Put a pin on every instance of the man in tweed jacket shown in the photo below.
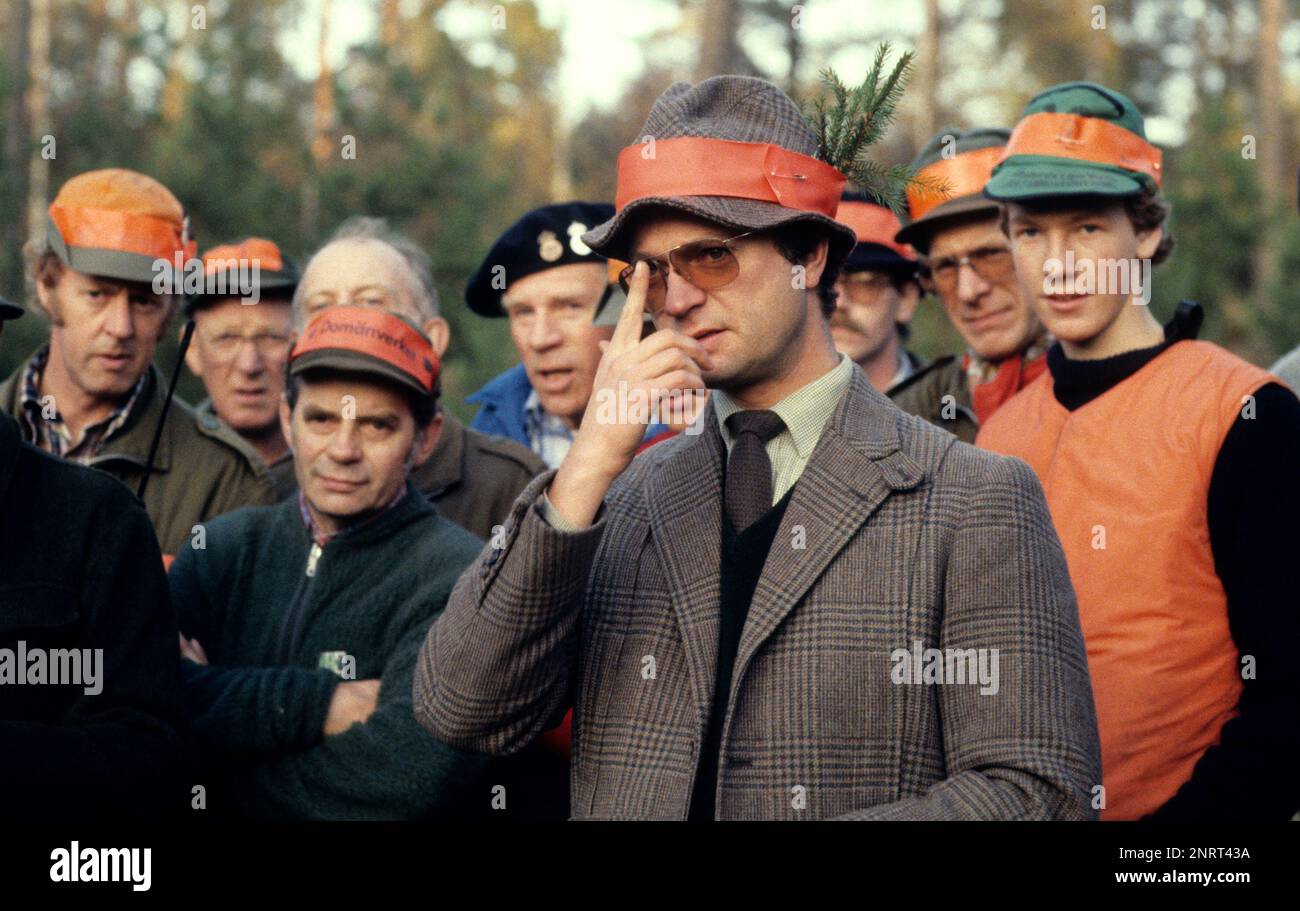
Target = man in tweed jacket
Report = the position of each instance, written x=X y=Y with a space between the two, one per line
x=781 y=648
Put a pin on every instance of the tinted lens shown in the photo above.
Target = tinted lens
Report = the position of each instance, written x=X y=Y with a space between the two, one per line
x=655 y=291
x=992 y=265
x=943 y=276
x=706 y=264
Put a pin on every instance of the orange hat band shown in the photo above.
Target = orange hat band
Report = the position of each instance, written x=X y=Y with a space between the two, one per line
x=376 y=334
x=263 y=252
x=123 y=232
x=1085 y=139
x=697 y=166
x=874 y=225
x=964 y=174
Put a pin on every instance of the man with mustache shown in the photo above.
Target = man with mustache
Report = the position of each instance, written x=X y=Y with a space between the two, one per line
x=93 y=395
x=1170 y=468
x=731 y=613
x=472 y=477
x=240 y=347
x=82 y=573
x=876 y=295
x=967 y=265
x=301 y=621
x=549 y=284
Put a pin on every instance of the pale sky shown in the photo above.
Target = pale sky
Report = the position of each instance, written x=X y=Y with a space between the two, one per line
x=605 y=43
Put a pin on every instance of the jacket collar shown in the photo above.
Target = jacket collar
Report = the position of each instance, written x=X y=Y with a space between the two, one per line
x=446 y=467
x=407 y=508
x=508 y=387
x=130 y=442
x=857 y=463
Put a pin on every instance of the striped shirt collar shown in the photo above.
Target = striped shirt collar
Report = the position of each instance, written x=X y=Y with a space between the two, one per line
x=51 y=433
x=804 y=411
x=321 y=537
x=548 y=436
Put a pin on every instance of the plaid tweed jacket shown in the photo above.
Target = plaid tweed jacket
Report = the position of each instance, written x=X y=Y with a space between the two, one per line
x=895 y=534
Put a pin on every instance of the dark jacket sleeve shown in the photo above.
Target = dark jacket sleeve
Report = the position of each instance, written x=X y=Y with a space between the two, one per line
x=1254 y=519
x=1030 y=750
x=116 y=752
x=264 y=709
x=495 y=671
x=387 y=767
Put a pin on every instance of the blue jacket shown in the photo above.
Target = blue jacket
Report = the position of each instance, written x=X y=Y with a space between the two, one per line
x=501 y=410
x=502 y=405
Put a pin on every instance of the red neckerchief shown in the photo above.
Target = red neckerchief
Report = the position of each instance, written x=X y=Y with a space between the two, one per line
x=1014 y=373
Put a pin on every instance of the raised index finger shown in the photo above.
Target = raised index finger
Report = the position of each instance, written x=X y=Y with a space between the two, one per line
x=627 y=332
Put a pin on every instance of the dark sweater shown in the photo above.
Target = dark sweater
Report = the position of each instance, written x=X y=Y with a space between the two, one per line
x=743 y=556
x=82 y=570
x=260 y=706
x=1253 y=512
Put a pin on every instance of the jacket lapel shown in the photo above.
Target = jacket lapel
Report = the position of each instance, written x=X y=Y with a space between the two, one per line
x=856 y=464
x=684 y=500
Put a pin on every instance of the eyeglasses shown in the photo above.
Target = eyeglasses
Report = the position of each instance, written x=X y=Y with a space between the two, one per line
x=707 y=264
x=863 y=287
x=992 y=264
x=269 y=345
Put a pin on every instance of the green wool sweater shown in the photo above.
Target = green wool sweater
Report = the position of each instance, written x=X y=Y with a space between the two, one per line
x=270 y=608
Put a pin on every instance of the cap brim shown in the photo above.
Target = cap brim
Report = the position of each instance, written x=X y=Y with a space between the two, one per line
x=610 y=239
x=917 y=232
x=127 y=267
x=1039 y=177
x=275 y=285
x=10 y=310
x=355 y=362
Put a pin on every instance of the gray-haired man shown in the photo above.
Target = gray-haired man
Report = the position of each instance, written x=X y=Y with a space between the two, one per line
x=471 y=477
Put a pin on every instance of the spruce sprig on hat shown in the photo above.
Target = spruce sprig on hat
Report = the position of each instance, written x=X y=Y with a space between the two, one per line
x=853 y=119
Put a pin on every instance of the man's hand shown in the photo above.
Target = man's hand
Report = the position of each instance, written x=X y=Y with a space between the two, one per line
x=352 y=703
x=645 y=371
x=191 y=649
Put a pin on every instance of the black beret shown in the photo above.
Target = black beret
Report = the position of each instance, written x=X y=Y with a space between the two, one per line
x=543 y=239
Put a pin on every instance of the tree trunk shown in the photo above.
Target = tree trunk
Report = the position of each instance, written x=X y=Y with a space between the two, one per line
x=322 y=123
x=38 y=109
x=926 y=87
x=719 y=48
x=17 y=128
x=1269 y=143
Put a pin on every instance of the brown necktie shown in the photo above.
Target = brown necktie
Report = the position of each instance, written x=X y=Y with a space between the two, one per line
x=748 y=492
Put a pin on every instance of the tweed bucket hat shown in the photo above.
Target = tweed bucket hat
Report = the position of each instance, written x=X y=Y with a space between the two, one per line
x=734 y=150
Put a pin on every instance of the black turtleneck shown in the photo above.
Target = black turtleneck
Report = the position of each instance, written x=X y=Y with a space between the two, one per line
x=1253 y=511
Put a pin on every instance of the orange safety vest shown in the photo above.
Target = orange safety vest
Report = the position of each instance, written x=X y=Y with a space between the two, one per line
x=1127 y=478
